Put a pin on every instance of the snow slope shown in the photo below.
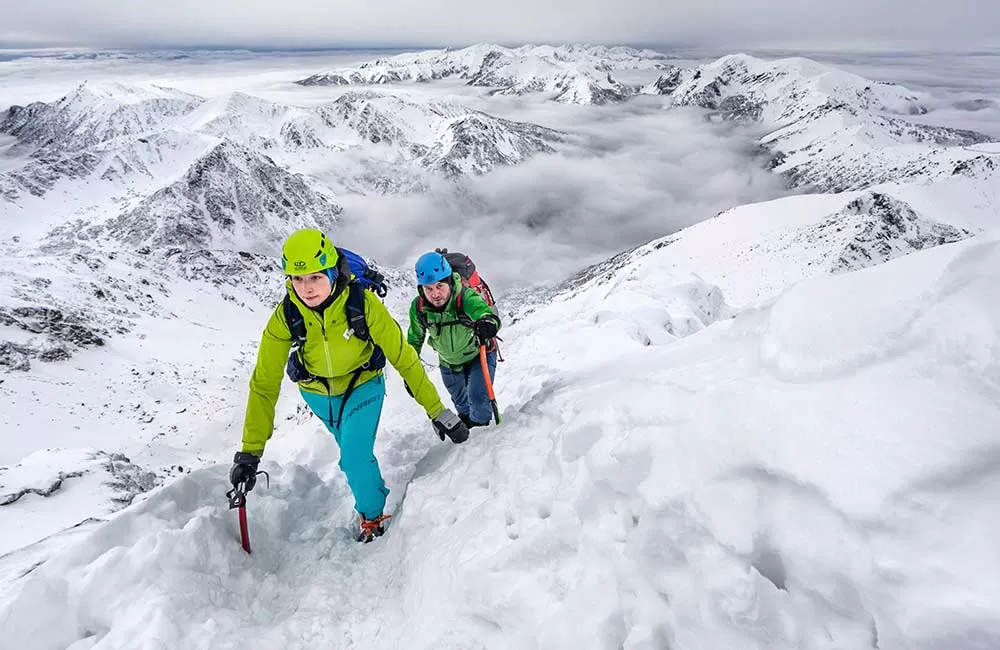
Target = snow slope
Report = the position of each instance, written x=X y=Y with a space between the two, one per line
x=643 y=492
x=752 y=252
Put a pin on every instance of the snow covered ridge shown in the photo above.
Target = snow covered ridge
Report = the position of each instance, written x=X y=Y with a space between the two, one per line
x=121 y=136
x=573 y=74
x=96 y=113
x=761 y=249
x=832 y=130
x=231 y=197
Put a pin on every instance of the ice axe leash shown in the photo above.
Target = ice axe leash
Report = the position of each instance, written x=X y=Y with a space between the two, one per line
x=238 y=499
x=489 y=382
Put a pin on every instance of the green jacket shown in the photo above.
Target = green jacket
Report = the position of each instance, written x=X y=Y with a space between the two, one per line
x=451 y=337
x=328 y=354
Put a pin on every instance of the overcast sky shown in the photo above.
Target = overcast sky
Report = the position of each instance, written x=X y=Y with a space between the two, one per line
x=331 y=23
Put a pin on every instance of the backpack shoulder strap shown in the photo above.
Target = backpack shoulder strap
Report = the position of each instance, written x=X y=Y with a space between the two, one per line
x=355 y=308
x=296 y=324
x=421 y=314
x=463 y=318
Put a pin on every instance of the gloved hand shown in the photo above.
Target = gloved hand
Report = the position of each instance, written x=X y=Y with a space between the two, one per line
x=485 y=329
x=448 y=424
x=244 y=470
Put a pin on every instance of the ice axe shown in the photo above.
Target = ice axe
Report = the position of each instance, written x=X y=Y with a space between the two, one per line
x=489 y=382
x=238 y=499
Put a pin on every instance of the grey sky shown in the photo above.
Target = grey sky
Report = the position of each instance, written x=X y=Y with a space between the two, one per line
x=325 y=23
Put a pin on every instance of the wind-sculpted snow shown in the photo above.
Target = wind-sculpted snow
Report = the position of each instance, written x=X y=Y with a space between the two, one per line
x=940 y=305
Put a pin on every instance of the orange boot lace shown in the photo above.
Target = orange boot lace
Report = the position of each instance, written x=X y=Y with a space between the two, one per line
x=370 y=526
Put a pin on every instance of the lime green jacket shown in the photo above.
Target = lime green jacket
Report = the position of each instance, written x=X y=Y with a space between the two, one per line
x=329 y=355
x=452 y=339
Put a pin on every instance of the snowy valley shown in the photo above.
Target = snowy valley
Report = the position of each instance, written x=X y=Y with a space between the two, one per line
x=775 y=428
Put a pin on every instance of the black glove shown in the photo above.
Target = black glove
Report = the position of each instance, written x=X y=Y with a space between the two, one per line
x=485 y=329
x=244 y=470
x=448 y=424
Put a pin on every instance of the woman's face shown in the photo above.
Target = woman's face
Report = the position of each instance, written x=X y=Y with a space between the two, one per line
x=312 y=289
x=438 y=293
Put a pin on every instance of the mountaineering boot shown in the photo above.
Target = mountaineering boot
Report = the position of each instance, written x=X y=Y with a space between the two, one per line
x=371 y=528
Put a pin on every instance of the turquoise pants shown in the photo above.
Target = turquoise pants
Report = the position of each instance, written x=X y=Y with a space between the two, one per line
x=356 y=438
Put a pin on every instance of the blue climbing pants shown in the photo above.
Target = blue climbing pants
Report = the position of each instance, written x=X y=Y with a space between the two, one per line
x=356 y=438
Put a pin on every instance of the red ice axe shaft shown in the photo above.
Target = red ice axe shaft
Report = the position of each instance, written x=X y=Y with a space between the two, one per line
x=238 y=499
x=489 y=382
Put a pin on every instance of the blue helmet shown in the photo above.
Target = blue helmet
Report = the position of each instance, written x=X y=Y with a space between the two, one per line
x=431 y=268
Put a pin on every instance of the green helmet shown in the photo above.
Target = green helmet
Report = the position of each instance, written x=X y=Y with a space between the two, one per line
x=307 y=251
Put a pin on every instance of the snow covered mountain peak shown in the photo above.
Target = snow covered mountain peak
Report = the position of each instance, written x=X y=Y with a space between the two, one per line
x=443 y=136
x=232 y=197
x=122 y=93
x=830 y=129
x=780 y=91
x=571 y=73
x=96 y=113
x=476 y=143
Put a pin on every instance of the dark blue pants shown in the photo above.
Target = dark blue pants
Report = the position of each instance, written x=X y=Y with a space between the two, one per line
x=468 y=390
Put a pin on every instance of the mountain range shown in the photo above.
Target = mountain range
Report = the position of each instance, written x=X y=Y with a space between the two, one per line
x=774 y=428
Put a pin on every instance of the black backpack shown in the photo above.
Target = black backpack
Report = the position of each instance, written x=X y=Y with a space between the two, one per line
x=357 y=326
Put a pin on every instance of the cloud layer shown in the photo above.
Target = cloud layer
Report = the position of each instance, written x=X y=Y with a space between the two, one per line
x=311 y=23
x=638 y=172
